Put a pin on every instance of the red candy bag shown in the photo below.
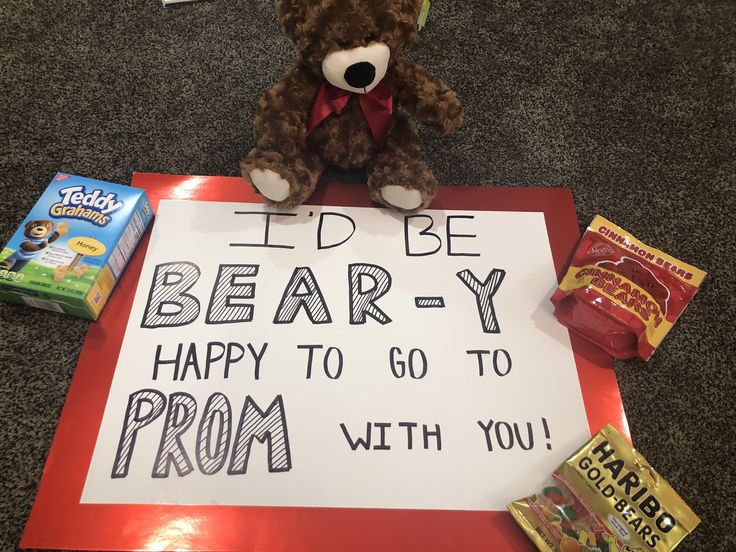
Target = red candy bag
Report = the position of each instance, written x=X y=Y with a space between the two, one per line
x=621 y=294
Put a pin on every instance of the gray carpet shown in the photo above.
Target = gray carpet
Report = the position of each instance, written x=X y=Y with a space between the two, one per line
x=629 y=103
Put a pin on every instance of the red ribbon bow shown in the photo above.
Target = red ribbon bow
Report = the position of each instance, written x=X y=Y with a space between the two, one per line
x=376 y=105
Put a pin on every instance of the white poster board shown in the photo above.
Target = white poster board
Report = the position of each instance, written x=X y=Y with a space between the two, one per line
x=339 y=357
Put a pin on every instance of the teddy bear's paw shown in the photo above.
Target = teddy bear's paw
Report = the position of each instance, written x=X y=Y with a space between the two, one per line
x=270 y=184
x=407 y=199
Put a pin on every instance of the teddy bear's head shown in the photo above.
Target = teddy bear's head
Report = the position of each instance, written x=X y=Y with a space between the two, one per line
x=38 y=229
x=351 y=42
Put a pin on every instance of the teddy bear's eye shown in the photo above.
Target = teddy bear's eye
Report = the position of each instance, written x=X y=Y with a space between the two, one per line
x=370 y=38
x=342 y=43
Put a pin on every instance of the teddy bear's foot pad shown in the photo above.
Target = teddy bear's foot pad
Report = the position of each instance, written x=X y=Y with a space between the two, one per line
x=270 y=184
x=403 y=198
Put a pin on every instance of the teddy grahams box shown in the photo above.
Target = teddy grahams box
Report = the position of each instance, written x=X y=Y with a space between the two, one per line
x=71 y=249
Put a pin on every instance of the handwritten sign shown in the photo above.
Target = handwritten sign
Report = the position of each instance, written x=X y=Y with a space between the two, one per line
x=79 y=505
x=339 y=357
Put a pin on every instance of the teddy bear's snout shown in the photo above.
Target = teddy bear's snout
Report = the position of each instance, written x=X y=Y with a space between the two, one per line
x=357 y=69
x=360 y=75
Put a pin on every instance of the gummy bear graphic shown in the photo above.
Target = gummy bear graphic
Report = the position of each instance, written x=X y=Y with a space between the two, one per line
x=642 y=277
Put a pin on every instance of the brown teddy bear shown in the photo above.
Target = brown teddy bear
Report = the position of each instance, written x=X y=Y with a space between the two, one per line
x=338 y=105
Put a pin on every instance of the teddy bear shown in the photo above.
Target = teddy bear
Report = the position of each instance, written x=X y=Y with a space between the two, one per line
x=348 y=102
x=39 y=235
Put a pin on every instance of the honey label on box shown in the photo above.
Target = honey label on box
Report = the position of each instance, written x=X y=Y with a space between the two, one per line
x=605 y=498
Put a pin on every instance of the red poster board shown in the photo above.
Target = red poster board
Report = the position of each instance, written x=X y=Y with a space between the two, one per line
x=58 y=520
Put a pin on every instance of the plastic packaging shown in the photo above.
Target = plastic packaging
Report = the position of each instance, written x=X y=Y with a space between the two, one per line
x=605 y=498
x=621 y=294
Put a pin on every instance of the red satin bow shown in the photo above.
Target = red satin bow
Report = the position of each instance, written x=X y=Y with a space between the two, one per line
x=376 y=105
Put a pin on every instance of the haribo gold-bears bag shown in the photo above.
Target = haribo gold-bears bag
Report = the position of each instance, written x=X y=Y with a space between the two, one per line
x=605 y=498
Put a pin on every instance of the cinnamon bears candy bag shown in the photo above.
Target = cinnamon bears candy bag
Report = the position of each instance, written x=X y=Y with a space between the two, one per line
x=621 y=294
x=605 y=498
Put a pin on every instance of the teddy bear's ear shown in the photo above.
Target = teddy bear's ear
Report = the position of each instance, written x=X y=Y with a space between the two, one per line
x=291 y=13
x=409 y=7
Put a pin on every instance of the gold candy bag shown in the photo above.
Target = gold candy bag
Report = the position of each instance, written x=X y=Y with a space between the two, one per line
x=605 y=498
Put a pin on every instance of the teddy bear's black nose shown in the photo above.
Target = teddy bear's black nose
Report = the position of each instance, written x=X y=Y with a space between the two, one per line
x=360 y=75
